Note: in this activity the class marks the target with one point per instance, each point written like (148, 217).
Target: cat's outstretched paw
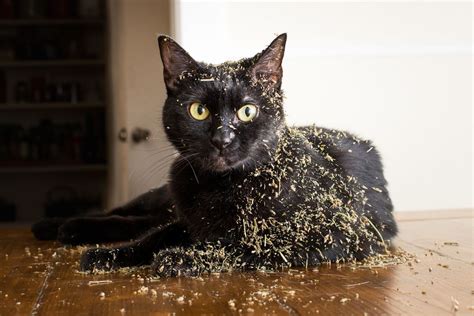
(98, 259)
(76, 232)
(174, 263)
(47, 229)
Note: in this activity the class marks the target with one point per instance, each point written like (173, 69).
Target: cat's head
(227, 116)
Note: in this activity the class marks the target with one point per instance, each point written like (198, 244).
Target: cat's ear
(267, 67)
(176, 61)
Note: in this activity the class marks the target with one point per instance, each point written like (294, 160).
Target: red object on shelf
(60, 9)
(7, 10)
(37, 89)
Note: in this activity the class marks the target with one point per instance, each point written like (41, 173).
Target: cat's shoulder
(326, 137)
(349, 150)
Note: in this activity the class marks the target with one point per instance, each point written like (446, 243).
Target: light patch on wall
(398, 73)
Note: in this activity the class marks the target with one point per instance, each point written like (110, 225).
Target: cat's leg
(209, 258)
(343, 247)
(47, 229)
(180, 261)
(199, 258)
(156, 202)
(139, 252)
(91, 230)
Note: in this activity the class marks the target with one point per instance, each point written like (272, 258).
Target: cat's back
(358, 158)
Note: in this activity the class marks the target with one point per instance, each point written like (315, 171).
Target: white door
(137, 95)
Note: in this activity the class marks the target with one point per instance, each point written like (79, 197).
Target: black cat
(247, 191)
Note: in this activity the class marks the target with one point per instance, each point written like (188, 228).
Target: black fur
(272, 196)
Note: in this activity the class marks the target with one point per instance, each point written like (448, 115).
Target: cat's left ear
(176, 61)
(267, 67)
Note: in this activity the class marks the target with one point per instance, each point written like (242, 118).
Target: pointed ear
(267, 66)
(176, 61)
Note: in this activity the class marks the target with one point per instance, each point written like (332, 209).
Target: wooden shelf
(50, 22)
(52, 63)
(49, 106)
(54, 168)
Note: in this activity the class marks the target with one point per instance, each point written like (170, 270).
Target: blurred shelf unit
(54, 168)
(40, 106)
(51, 22)
(53, 103)
(52, 63)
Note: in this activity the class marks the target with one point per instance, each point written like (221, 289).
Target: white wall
(397, 73)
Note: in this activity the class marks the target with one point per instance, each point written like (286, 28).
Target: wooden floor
(41, 278)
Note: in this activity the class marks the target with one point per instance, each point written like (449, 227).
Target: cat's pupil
(200, 109)
(247, 111)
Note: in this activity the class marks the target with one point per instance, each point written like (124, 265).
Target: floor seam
(432, 219)
(44, 285)
(436, 252)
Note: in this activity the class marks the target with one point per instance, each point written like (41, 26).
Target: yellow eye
(198, 111)
(247, 113)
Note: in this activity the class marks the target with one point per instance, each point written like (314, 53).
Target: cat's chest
(205, 200)
(223, 199)
(212, 207)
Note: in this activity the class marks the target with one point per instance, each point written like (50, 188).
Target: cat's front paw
(75, 232)
(98, 259)
(174, 263)
(47, 229)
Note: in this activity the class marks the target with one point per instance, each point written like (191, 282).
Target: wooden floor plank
(448, 237)
(439, 281)
(22, 272)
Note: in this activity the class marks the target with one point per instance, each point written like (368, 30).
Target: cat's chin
(222, 163)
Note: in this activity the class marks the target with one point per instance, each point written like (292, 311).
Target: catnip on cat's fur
(246, 191)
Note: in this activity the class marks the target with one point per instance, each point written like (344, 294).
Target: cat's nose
(222, 139)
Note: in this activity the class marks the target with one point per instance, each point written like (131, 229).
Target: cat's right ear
(176, 61)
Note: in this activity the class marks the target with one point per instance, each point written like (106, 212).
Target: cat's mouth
(221, 161)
